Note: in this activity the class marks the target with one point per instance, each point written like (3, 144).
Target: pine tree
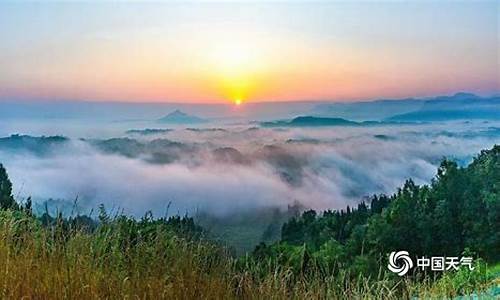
(6, 199)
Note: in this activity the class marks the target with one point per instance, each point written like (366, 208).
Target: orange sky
(247, 52)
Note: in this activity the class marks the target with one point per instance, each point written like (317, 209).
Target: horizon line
(7, 99)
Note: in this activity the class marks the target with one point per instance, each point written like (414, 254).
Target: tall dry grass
(48, 263)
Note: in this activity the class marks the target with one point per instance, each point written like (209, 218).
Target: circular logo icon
(400, 262)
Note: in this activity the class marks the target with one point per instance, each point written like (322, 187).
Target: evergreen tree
(6, 199)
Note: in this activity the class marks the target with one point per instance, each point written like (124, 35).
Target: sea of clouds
(226, 169)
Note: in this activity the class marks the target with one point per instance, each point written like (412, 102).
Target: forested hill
(335, 255)
(458, 212)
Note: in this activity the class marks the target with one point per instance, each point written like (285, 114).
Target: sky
(205, 52)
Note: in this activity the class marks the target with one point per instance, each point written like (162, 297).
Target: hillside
(334, 254)
(459, 211)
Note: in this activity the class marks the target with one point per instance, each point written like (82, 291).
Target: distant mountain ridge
(148, 131)
(41, 145)
(461, 106)
(179, 117)
(441, 108)
(311, 121)
(367, 110)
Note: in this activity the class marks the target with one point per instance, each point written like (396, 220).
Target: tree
(458, 211)
(6, 199)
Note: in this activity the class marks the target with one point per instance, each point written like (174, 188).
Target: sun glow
(236, 67)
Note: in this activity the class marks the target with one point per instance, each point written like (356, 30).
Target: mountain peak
(176, 113)
(179, 117)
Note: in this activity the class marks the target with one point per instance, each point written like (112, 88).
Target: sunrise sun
(235, 66)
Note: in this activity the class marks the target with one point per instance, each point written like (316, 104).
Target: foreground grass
(122, 259)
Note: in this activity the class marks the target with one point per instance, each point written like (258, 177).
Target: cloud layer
(237, 168)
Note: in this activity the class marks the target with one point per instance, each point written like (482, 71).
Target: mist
(236, 168)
